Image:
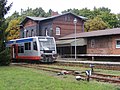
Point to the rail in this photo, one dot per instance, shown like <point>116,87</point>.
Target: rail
<point>96,76</point>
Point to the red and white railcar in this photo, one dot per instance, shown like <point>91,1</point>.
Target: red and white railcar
<point>42,48</point>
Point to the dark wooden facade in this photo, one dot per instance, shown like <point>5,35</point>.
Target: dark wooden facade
<point>57,26</point>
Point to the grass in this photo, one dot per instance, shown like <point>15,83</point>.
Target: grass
<point>18,78</point>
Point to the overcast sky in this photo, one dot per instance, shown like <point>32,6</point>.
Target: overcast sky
<point>60,5</point>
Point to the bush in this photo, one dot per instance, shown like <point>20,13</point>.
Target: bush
<point>5,57</point>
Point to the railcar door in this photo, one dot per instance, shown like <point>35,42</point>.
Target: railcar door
<point>14,51</point>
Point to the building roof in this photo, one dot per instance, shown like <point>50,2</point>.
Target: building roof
<point>36,18</point>
<point>52,17</point>
<point>105,32</point>
<point>71,42</point>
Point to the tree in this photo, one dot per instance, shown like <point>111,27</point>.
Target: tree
<point>3,51</point>
<point>39,12</point>
<point>104,9</point>
<point>68,10</point>
<point>95,24</point>
<point>3,11</point>
<point>3,8</point>
<point>110,18</point>
<point>13,29</point>
<point>86,13</point>
<point>118,17</point>
<point>15,15</point>
<point>48,14</point>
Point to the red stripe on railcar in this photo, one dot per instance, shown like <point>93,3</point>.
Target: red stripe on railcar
<point>29,57</point>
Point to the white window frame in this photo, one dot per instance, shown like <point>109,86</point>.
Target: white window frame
<point>118,44</point>
<point>58,29</point>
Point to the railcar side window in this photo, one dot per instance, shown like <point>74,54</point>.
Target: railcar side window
<point>28,46</point>
<point>20,49</point>
<point>34,46</point>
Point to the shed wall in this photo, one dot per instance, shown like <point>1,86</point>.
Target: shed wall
<point>103,45</point>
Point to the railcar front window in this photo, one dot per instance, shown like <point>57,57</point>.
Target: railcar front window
<point>47,44</point>
<point>34,46</point>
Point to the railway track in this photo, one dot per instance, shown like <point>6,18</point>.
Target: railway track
<point>95,76</point>
<point>86,65</point>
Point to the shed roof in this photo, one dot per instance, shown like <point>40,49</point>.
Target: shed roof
<point>105,32</point>
<point>71,42</point>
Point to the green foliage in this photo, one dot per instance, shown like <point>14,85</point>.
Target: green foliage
<point>118,16</point>
<point>37,12</point>
<point>5,57</point>
<point>95,24</point>
<point>13,29</point>
<point>86,13</point>
<point>15,15</point>
<point>3,8</point>
<point>112,20</point>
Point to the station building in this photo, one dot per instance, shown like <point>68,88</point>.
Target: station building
<point>97,44</point>
<point>56,26</point>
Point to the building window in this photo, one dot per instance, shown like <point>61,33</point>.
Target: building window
<point>32,33</point>
<point>92,43</point>
<point>27,33</point>
<point>23,35</point>
<point>57,30</point>
<point>46,32</point>
<point>20,49</point>
<point>67,18</point>
<point>28,46</point>
<point>34,46</point>
<point>117,43</point>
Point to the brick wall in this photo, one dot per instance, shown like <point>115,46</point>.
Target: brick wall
<point>103,45</point>
<point>99,45</point>
<point>30,23</point>
<point>66,25</point>
<point>31,29</point>
<point>115,50</point>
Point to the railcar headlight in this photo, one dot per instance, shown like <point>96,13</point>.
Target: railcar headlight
<point>53,51</point>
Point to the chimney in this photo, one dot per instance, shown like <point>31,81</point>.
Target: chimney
<point>54,13</point>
